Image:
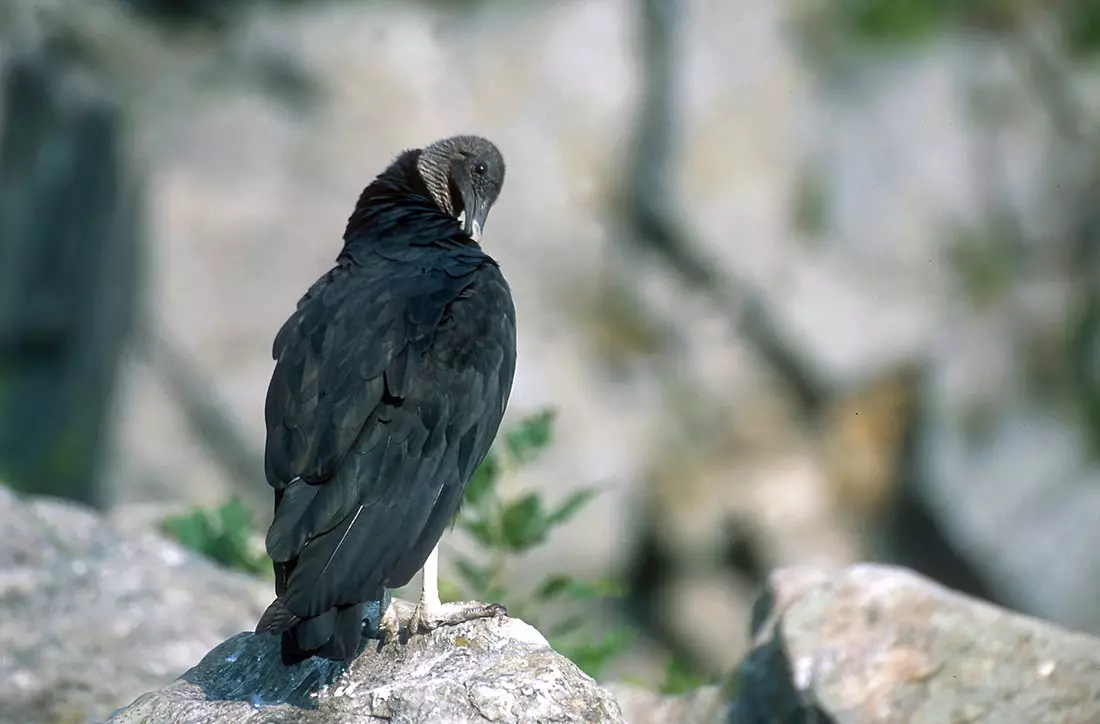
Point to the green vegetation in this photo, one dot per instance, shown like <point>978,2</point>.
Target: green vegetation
<point>1082,24</point>
<point>508,525</point>
<point>504,525</point>
<point>896,20</point>
<point>901,22</point>
<point>681,678</point>
<point>224,534</point>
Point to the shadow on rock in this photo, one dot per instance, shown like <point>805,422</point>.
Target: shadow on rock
<point>490,669</point>
<point>247,668</point>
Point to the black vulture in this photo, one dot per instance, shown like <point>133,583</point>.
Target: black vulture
<point>390,382</point>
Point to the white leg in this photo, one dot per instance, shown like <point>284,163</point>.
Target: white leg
<point>429,591</point>
<point>430,613</point>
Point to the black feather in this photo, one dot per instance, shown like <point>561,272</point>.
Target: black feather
<point>390,383</point>
<point>276,619</point>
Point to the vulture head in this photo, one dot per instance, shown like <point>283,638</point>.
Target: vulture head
<point>464,175</point>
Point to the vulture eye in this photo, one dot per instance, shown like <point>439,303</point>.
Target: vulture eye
<point>480,169</point>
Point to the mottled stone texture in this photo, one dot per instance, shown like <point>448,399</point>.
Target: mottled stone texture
<point>499,670</point>
<point>95,612</point>
<point>92,615</point>
<point>878,644</point>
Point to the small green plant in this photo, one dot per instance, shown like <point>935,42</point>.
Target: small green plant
<point>681,678</point>
<point>1081,20</point>
<point>895,21</point>
<point>224,534</point>
<point>505,526</point>
<point>907,22</point>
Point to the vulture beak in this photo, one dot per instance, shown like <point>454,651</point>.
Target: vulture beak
<point>476,211</point>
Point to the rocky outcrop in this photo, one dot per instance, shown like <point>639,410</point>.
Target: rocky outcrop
<point>96,610</point>
<point>91,615</point>
<point>878,644</point>
<point>499,670</point>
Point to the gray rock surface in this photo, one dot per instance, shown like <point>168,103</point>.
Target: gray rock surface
<point>498,670</point>
<point>879,644</point>
<point>96,610</point>
<point>93,613</point>
<point>92,616</point>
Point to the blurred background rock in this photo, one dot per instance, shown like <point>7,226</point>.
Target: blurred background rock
<point>808,282</point>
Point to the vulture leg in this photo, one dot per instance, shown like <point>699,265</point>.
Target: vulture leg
<point>429,585</point>
<point>430,613</point>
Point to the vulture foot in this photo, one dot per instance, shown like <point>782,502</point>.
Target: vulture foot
<point>404,619</point>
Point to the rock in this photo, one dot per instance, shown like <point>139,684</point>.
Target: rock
<point>92,616</point>
<point>499,670</point>
<point>995,456</point>
<point>877,644</point>
<point>94,611</point>
<point>642,706</point>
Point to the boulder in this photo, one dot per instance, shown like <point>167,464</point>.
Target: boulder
<point>879,644</point>
<point>91,615</point>
<point>498,670</point>
<point>96,610</point>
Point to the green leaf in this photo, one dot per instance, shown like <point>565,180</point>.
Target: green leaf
<point>449,590</point>
<point>480,529</point>
<point>483,482</point>
<point>896,21</point>
<point>223,535</point>
<point>190,529</point>
<point>523,523</point>
<point>496,593</point>
<point>593,656</point>
<point>681,678</point>
<point>564,585</point>
<point>553,587</point>
<point>530,436</point>
<point>235,518</point>
<point>572,505</point>
<point>1082,27</point>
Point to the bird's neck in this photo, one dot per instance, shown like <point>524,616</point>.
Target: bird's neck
<point>397,209</point>
<point>398,192</point>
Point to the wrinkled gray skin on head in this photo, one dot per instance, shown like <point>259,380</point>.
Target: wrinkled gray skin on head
<point>464,175</point>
